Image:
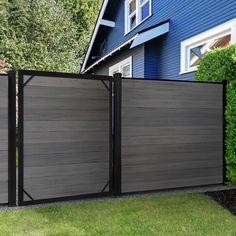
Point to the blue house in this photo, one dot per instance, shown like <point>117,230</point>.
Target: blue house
<point>161,39</point>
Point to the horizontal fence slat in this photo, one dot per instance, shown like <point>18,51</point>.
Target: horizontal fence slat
<point>66,147</point>
<point>61,82</point>
<point>66,93</point>
<point>65,158</point>
<point>50,126</point>
<point>67,115</point>
<point>68,136</point>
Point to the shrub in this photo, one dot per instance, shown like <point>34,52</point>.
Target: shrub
<point>219,65</point>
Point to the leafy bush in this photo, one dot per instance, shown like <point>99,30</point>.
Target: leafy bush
<point>219,65</point>
<point>38,34</point>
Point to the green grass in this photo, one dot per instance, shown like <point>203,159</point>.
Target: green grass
<point>193,214</point>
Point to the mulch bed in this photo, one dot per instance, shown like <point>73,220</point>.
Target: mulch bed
<point>225,198</point>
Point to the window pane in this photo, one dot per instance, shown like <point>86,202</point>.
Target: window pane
<point>132,21</point>
<point>145,11</point>
<point>126,71</point>
<point>197,53</point>
<point>132,6</point>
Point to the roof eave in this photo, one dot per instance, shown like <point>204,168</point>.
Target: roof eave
<point>109,54</point>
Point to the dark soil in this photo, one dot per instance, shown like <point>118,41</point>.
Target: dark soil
<point>225,198</point>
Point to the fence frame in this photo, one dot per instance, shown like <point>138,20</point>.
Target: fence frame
<point>21,85</point>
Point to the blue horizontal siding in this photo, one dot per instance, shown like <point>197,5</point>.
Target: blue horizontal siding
<point>187,18</point>
<point>137,61</point>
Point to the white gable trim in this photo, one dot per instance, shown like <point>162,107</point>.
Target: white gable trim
<point>104,6</point>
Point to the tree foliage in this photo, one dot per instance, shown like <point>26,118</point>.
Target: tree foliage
<point>85,13</point>
<point>219,65</point>
<point>42,35</point>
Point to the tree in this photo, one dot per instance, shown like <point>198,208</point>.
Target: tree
<point>85,14</point>
<point>39,35</point>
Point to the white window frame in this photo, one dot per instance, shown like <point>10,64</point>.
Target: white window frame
<point>137,12</point>
<point>119,66</point>
<point>214,33</point>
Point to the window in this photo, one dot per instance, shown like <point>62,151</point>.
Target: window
<point>123,67</point>
<point>136,11</point>
<point>193,50</point>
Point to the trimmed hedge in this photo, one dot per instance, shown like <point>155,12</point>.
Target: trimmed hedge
<point>219,65</point>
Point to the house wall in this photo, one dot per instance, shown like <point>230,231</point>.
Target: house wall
<point>137,61</point>
<point>187,19</point>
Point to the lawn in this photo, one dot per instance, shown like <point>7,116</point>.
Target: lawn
<point>190,214</point>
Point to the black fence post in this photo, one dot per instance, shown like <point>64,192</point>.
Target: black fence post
<point>20,137</point>
<point>224,130</point>
<point>12,138</point>
<point>117,135</point>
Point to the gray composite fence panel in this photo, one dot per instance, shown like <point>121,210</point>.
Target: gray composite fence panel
<point>3,139</point>
<point>172,134</point>
<point>66,137</point>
